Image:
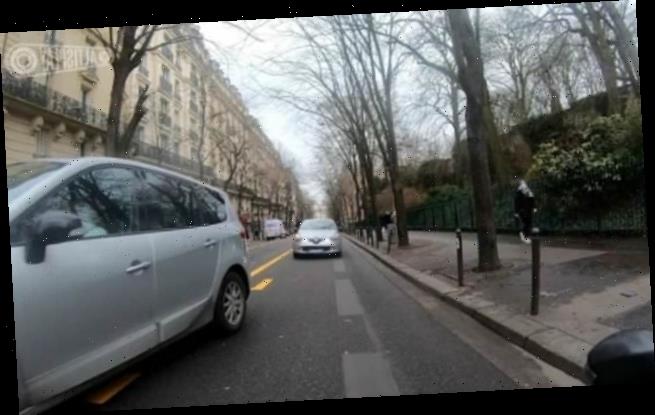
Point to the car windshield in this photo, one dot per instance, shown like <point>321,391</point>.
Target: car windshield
<point>23,176</point>
<point>315,225</point>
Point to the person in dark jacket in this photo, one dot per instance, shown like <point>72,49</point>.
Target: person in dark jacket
<point>524,209</point>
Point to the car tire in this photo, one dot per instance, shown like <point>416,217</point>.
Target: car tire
<point>296,255</point>
<point>232,294</point>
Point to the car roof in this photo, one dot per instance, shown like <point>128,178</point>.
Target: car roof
<point>84,162</point>
<point>77,164</point>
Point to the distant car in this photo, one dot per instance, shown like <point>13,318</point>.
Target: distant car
<point>317,237</point>
<point>274,228</point>
<point>112,259</point>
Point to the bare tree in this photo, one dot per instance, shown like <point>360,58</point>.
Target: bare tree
<point>321,70</point>
<point>442,96</point>
<point>625,44</point>
<point>374,63</point>
<point>593,26</point>
<point>231,144</point>
<point>480,130</point>
<point>127,46</point>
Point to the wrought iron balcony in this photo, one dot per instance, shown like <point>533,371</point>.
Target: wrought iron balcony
<point>91,74</point>
<point>39,94</point>
<point>157,155</point>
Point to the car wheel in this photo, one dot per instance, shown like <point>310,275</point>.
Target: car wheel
<point>296,255</point>
<point>230,309</point>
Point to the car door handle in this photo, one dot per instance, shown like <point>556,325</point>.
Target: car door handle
<point>209,243</point>
<point>137,266</point>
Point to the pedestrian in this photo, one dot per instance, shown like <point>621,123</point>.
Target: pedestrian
<point>245,222</point>
<point>388,220</point>
<point>524,209</point>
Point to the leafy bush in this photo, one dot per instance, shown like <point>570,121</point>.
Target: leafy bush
<point>593,168</point>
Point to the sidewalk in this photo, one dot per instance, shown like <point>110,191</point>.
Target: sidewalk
<point>586,294</point>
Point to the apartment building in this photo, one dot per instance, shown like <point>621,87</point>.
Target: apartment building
<point>196,121</point>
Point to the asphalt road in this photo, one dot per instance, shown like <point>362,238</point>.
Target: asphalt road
<point>332,328</point>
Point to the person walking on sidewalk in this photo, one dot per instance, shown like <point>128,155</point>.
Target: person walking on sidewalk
<point>391,225</point>
<point>524,209</point>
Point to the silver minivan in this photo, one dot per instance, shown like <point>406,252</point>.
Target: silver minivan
<point>111,259</point>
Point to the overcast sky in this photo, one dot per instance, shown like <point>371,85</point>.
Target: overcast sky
<point>240,57</point>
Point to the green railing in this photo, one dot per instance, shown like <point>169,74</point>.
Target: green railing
<point>629,217</point>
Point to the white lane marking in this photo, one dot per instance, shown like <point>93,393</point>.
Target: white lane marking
<point>367,374</point>
<point>339,266</point>
<point>347,300</point>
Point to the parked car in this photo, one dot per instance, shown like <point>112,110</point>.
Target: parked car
<point>112,259</point>
<point>317,237</point>
<point>274,228</point>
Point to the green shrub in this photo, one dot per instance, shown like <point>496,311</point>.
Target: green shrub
<point>594,168</point>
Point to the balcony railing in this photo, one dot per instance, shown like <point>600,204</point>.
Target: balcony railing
<point>39,94</point>
<point>159,155</point>
<point>90,74</point>
<point>166,86</point>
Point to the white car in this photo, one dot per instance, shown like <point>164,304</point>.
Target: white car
<point>317,237</point>
<point>112,259</point>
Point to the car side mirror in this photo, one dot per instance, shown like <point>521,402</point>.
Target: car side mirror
<point>624,357</point>
<point>221,215</point>
<point>48,228</point>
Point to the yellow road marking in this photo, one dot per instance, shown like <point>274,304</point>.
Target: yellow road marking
<point>262,284</point>
<point>101,396</point>
<point>268,264</point>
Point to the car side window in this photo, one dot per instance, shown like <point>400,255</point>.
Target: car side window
<point>208,206</point>
<point>102,198</point>
<point>166,202</point>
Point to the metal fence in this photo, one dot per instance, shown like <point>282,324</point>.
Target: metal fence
<point>629,217</point>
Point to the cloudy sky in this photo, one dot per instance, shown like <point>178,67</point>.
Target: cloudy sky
<point>241,58</point>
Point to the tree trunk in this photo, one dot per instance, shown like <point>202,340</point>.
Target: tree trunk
<point>471,75</point>
<point>624,44</point>
<point>457,131</point>
<point>600,47</point>
<point>113,146</point>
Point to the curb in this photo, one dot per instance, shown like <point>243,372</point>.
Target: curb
<point>550,344</point>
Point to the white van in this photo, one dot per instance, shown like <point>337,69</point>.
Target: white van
<point>274,228</point>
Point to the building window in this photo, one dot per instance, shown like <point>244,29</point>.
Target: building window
<point>165,73</point>
<point>139,133</point>
<point>164,141</point>
<point>163,105</point>
<point>41,145</point>
<point>176,147</point>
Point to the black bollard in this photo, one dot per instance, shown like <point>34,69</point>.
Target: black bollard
<point>536,275</point>
<point>460,259</point>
